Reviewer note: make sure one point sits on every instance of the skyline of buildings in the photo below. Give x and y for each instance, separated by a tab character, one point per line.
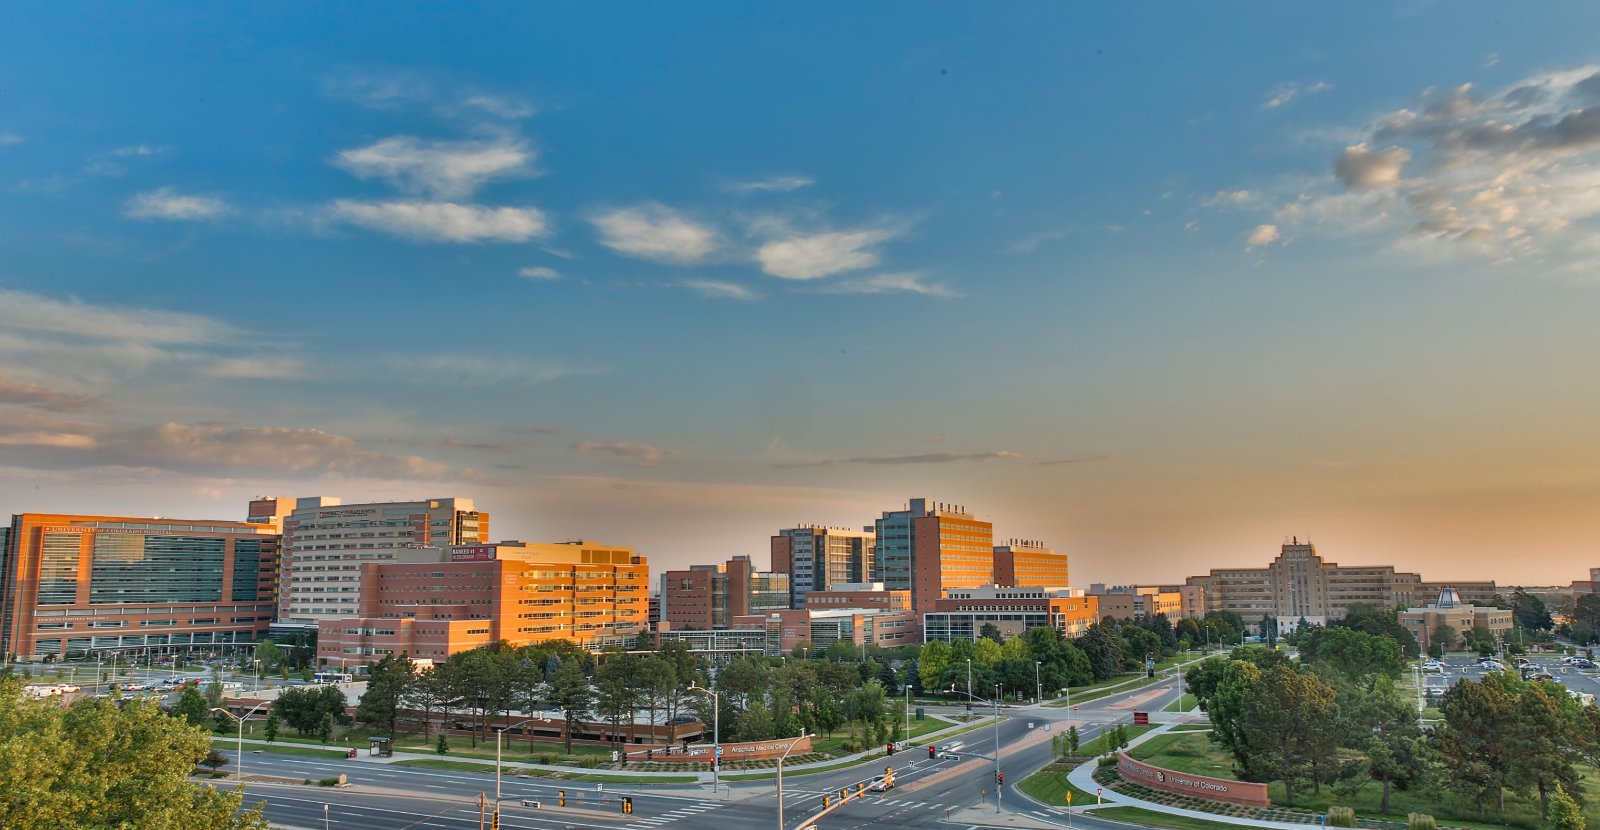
420	577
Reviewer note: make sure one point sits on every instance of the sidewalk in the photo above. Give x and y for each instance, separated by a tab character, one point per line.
1082	777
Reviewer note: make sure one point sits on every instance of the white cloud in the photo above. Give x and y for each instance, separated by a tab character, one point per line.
539	272
1508	175
906	282
823	254
1261	235
656	233
1230	198
58	440
21	393
9	139
441	169
721	290
165	203
223	447
1491	59
137	150
774	184
442	221
1360	168
509	107
431	92
642	455
21	311
1288	92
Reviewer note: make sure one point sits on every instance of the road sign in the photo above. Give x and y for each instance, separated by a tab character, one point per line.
719	752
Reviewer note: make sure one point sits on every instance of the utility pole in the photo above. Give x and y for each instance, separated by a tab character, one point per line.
997	774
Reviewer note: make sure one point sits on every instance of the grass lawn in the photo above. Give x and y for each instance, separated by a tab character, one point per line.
1194	753
835	744
1151	818
515	748
1182	704
1098	746
279	749
1050	786
594	777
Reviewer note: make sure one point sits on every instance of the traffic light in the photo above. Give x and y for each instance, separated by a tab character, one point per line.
930	752
627	804
888	749
844	794
1000	779
494	820
861	789
826	801
649	755
561	798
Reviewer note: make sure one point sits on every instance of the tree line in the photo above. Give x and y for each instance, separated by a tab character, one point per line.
1334	717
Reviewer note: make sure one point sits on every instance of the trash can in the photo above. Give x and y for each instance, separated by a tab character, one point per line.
919	713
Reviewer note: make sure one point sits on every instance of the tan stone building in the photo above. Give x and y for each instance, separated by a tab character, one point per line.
1300	585
1449	609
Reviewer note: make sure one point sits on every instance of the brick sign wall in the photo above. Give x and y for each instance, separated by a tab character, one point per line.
1200	786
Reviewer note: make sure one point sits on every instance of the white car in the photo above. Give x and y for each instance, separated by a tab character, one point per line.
880	785
1433	665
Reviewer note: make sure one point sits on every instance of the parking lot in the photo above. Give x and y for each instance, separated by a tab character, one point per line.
1456	669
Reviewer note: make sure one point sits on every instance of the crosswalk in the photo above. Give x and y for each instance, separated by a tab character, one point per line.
802	798
672	815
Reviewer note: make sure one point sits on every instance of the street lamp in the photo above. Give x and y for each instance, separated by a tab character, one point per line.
997	786
792	744
499	743
240	745
969	684
1038	688
716	734
324	817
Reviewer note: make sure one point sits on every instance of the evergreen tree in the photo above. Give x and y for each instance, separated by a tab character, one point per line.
1072	740
570	692
387	684
1563	812
271	729
191	706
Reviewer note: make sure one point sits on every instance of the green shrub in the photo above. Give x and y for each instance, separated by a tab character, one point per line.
548	760
1421	821
1107	761
328	782
1341	817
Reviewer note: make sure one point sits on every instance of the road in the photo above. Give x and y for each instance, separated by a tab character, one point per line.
386	797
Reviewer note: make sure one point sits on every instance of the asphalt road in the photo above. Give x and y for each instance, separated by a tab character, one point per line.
386	797
1466	668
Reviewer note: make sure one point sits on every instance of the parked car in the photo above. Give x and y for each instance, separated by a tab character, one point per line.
1543	675
1433	665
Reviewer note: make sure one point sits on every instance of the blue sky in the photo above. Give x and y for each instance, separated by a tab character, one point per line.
1157	285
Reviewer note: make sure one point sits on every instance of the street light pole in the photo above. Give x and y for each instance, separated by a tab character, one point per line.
716	735
969	684
239	747
1038	688
908	714
997	786
792	744
499	742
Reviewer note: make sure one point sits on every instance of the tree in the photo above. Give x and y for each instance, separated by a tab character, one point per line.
1104	650
98	764
1381	622
570	692
617	695
325	728
1355	654
387	684
1563	812
268	655
270	731
1544	750
1390	738
1446	636
1280	722
990	631
214	761
191	706
1530	612
1072	740
442	746
1473	741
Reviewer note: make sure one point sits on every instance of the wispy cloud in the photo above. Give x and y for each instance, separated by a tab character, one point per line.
166	203
20	393
539	272
642	455
26	312
947	458
721	290
655	232
903	282
398	89
473	370
1287	93
10	139
442	221
255	368
774	184
817	255
440	169
1509	174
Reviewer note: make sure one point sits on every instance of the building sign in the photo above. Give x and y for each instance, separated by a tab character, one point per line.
124	530
1200	786
754	749
478	553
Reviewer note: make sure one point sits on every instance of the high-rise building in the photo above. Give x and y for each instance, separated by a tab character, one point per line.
1029	563
818	558
74	584
324	547
929	548
710	596
1452	610
1300	585
521	592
